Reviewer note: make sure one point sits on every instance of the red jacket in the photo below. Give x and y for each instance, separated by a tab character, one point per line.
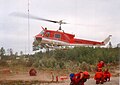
100	65
77	78
107	74
99	75
80	78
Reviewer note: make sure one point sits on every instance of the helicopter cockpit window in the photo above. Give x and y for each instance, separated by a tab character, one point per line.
57	35
47	34
42	32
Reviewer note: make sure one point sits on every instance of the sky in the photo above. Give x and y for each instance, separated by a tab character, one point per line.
89	19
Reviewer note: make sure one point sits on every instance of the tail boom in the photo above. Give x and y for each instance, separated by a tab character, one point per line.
92	43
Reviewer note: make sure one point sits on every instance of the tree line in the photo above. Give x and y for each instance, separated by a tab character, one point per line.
8	52
77	57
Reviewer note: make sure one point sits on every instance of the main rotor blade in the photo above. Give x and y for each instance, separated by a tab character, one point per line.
36	18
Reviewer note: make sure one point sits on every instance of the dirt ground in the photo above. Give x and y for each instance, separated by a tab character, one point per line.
44	78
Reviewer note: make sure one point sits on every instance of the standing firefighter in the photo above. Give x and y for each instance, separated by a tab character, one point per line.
100	64
79	78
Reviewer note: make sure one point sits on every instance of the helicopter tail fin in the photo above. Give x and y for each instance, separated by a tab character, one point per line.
107	39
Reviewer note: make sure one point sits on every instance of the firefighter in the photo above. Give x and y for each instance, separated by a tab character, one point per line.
72	78
86	76
32	72
100	64
99	76
107	75
79	78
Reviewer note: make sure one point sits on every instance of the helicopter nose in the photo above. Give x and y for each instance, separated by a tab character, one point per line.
39	39
36	43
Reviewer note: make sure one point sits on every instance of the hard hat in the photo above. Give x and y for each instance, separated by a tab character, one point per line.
86	73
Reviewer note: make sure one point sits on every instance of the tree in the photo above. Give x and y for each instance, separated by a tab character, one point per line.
21	53
118	45
11	51
16	53
2	51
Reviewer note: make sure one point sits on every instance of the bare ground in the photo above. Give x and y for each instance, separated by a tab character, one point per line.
44	78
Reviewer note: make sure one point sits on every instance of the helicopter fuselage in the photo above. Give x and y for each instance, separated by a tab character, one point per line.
50	39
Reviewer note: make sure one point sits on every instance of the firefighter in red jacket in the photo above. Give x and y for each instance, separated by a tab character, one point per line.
79	78
32	72
100	64
107	75
99	76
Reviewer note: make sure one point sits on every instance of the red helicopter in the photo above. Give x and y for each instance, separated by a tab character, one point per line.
55	39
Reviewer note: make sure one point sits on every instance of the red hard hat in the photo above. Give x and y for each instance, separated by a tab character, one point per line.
86	73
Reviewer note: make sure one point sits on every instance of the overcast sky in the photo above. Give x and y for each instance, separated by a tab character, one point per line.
89	19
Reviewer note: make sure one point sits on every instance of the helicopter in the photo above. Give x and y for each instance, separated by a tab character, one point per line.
54	39
58	38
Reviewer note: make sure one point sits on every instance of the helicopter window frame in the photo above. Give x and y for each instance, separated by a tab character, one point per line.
57	36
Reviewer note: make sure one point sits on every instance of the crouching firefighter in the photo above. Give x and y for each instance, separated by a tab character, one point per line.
107	75
99	76
79	78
